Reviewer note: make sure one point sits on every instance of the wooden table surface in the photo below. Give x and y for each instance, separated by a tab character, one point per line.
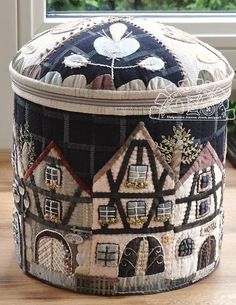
16	288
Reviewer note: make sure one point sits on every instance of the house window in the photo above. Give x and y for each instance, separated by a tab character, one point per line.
72	6
53	176
107	254
204	182
107	214
137	176
203	207
163	211
52	210
186	247
136	212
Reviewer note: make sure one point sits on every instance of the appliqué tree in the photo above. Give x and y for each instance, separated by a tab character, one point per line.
179	148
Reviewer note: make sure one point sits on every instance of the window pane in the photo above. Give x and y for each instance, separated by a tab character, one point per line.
137	5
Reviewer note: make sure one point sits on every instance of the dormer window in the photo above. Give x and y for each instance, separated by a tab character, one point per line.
204	182
52	176
107	214
136	212
52	210
203	207
163	211
137	176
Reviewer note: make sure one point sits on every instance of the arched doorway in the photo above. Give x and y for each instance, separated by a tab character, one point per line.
142	256
207	253
52	252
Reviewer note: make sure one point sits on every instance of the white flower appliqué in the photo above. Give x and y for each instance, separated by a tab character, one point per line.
117	46
152	63
75	61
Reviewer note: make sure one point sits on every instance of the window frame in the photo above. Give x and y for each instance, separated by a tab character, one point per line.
198	204
136	166
199	182
59	176
164	216
108	219
215	28
136	202
192	249
203	24
59	208
112	263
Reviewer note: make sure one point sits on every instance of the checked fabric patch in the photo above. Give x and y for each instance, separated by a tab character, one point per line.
118	153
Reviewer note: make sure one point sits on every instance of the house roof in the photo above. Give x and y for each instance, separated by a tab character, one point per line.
206	158
146	136
53	146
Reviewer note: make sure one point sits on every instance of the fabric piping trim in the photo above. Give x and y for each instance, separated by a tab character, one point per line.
110	102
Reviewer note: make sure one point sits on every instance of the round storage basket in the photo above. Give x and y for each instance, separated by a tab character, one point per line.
119	151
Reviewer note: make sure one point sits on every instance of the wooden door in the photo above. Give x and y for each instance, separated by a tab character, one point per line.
207	253
53	253
142	256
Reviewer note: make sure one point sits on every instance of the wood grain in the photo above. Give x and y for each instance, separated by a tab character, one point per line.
17	288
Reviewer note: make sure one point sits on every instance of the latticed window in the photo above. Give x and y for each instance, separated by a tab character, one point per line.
52	176
107	254
204	182
163	211
52	210
137	176
136	212
203	207
107	214
186	247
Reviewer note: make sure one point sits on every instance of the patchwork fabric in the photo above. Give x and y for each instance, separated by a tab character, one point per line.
89	138
135	193
111	55
118	156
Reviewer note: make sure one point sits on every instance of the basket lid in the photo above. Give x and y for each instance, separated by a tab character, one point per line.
120	66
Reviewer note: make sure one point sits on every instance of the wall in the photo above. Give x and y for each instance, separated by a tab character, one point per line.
8	47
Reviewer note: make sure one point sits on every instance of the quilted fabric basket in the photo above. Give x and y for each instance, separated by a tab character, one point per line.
119	151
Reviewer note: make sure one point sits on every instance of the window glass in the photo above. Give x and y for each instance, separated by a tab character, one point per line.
54	6
186	247
136	209
107	254
52	210
107	214
204	181
203	207
164	211
136	212
52	176
137	174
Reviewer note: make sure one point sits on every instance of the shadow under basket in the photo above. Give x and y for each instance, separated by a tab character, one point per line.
119	143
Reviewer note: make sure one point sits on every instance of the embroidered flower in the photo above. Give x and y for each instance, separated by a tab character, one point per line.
118	45
75	61
166	239
152	63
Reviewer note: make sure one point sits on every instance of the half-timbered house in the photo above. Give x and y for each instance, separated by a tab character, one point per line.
197	216
60	218
133	203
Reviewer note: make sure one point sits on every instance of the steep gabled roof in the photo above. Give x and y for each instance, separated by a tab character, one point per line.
50	147
145	136
206	158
